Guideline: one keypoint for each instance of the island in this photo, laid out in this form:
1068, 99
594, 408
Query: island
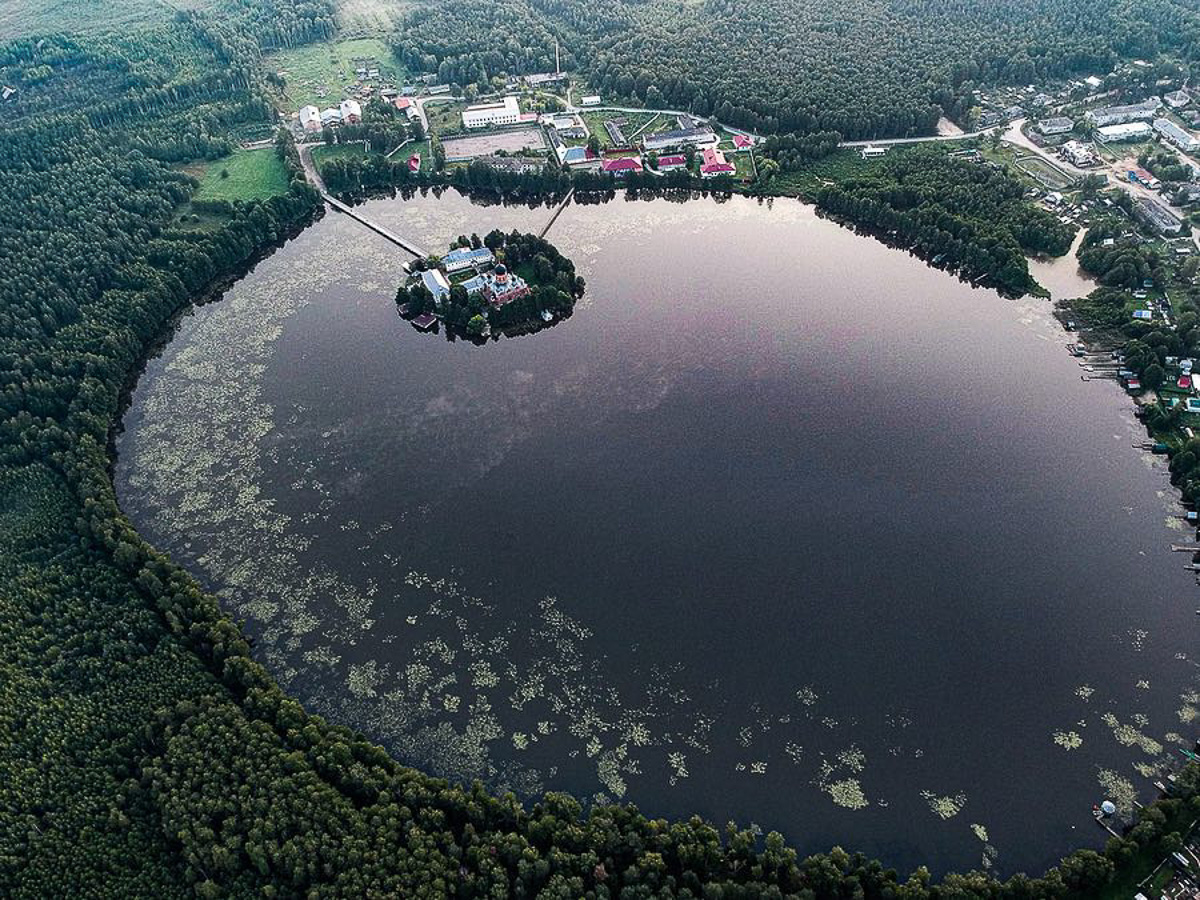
504, 284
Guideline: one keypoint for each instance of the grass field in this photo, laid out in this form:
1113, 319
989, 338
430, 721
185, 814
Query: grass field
324, 153
251, 175
21, 18
445, 117
320, 73
364, 18
843, 164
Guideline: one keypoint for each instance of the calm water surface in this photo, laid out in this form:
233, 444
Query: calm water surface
782, 526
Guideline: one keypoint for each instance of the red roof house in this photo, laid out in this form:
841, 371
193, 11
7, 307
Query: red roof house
742, 142
713, 163
666, 163
622, 165
414, 163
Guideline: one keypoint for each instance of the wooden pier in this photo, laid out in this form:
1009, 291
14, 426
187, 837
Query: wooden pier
557, 212
1185, 548
375, 227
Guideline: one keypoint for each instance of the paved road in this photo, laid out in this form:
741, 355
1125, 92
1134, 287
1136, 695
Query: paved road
888, 142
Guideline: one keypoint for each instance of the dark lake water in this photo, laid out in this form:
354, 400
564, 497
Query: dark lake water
782, 527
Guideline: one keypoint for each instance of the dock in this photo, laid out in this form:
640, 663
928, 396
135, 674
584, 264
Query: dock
1185, 548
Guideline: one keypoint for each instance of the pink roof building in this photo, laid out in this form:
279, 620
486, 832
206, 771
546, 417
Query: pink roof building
742, 142
675, 161
402, 102
713, 163
414, 163
621, 166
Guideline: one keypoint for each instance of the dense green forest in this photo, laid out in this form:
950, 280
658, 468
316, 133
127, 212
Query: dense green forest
863, 68
961, 215
143, 752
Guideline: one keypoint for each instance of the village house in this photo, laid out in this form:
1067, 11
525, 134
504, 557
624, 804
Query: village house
414, 163
1177, 99
742, 142
672, 162
406, 106
621, 166
590, 100
330, 116
501, 112
310, 118
567, 126
713, 164
872, 152
351, 112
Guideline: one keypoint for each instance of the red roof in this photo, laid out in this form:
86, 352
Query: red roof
1185, 381
740, 140
624, 164
414, 163
713, 163
672, 161
402, 102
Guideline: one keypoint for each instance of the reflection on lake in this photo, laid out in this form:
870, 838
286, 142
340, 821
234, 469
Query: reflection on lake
781, 526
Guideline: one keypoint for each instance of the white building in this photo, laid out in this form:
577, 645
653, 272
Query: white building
872, 152
436, 282
1177, 99
310, 118
1060, 125
503, 112
1173, 134
1126, 131
1078, 153
351, 112
590, 100
331, 116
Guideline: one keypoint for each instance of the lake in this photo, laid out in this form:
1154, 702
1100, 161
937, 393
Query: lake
782, 526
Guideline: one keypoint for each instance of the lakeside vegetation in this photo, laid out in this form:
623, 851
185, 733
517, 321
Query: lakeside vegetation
143, 751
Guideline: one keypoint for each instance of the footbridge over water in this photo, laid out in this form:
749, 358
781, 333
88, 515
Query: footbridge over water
314, 178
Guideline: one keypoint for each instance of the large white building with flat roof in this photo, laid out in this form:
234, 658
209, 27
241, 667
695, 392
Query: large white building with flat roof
1126, 131
501, 112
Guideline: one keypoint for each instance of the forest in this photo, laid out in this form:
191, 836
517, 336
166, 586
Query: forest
862, 68
144, 753
958, 214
